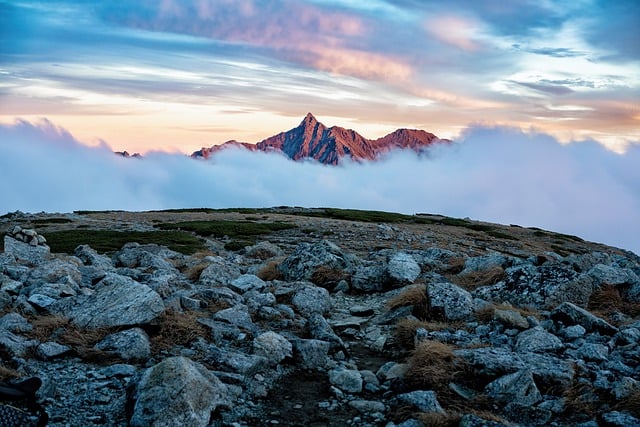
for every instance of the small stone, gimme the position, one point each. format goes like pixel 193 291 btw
pixel 511 318
pixel 348 380
pixel 537 340
pixel 51 350
pixel 367 406
pixel 360 310
pixel 40 301
pixel 423 400
pixel 274 347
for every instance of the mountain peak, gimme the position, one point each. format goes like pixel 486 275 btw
pixel 312 139
pixel 309 119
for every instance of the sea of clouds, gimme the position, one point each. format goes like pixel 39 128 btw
pixel 493 174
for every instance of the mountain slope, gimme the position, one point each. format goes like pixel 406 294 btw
pixel 313 140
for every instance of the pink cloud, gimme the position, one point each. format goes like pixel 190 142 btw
pixel 455 31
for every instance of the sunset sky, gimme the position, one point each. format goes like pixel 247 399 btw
pixel 177 75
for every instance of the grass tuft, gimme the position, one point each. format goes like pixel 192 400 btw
pixel 415 296
pixel 432 366
pixel 103 241
pixel 478 279
pixel 176 329
pixel 328 277
pixel 270 271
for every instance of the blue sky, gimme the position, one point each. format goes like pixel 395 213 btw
pixel 177 75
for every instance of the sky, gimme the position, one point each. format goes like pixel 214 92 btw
pixel 177 75
pixel 541 100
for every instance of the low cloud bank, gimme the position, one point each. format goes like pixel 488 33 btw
pixel 494 174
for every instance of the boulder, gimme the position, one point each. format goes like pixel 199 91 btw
pixel 348 380
pixel 51 350
pixel 131 344
pixel 570 314
pixel 484 263
pixel 369 278
pixel 247 282
pixel 13 322
pixel 545 286
pixel 320 329
pixel 307 257
pixel 177 392
pixel 219 272
pixel 90 257
pixel 511 318
pixel 422 400
pixel 311 299
pixel 537 340
pixel 238 315
pixel 274 347
pixel 402 269
pixel 54 271
pixel 26 253
pixel 311 353
pixel 518 387
pixel 451 300
pixel 116 301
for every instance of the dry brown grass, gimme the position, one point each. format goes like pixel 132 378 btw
pixel 270 271
pixel 328 277
pixel 578 399
pixel 486 313
pixel 405 329
pixel 478 279
pixel 174 328
pixel 81 340
pixel 193 273
pixel 455 265
pixel 608 299
pixel 432 366
pixel 414 296
pixel 433 419
pixel 630 404
pixel 7 374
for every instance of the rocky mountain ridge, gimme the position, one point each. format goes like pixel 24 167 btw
pixel 328 145
pixel 346 318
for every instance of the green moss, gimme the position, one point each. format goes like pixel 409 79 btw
pixel 232 229
pixel 108 241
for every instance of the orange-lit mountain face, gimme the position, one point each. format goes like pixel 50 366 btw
pixel 313 140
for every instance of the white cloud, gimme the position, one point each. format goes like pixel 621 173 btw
pixel 494 174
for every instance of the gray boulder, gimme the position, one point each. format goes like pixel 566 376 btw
pixel 453 301
pixel 90 257
pixel 128 345
pixel 422 400
pixel 519 388
pixel 218 272
pixel 369 278
pixel 484 262
pixel 320 329
pixel 26 253
pixel 16 345
pixel 348 380
pixel 511 318
pixel 54 271
pixel 117 301
pixel 177 392
pixel 237 315
pixel 402 268
pixel 545 286
pixel 272 346
pixel 311 299
pixel 311 353
pixel 13 322
pixel 609 275
pixel 247 282
pixel 307 257
pixel 537 340
pixel 570 314
pixel 51 350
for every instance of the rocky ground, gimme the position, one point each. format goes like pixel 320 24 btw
pixel 341 318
